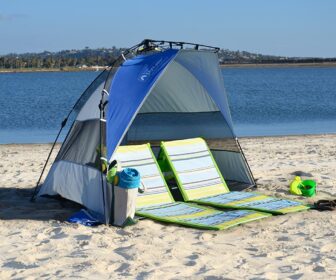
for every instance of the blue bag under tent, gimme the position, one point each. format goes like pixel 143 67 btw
pixel 84 217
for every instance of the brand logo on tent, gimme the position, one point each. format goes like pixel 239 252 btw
pixel 149 70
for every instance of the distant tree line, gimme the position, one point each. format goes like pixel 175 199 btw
pixel 58 60
pixel 105 56
pixel 277 61
pixel 243 57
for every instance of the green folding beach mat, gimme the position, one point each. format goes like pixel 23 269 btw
pixel 157 203
pixel 199 180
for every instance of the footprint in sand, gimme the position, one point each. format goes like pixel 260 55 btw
pixel 296 276
pixel 143 275
pixel 192 259
pixel 83 237
pixel 190 263
pixel 210 277
pixel 82 266
pixel 124 233
pixel 123 268
pixel 57 233
pixel 83 244
pixel 252 249
pixel 125 252
pixel 319 268
pixel 78 254
pixel 194 256
pixel 283 238
pixel 19 265
pixel 286 269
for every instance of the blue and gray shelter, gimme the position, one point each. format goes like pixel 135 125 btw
pixel 155 91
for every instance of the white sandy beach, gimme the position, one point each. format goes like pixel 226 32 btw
pixel 36 242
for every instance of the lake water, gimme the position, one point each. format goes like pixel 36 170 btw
pixel 263 101
pixel 282 101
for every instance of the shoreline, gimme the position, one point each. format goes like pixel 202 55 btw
pixel 233 65
pixel 243 138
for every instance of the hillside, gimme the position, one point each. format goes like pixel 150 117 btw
pixel 88 58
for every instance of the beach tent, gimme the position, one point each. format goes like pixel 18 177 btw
pixel 155 91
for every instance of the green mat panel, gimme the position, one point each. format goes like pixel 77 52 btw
pixel 196 216
pixel 214 191
pixel 253 201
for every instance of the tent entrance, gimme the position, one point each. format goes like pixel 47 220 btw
pixel 188 100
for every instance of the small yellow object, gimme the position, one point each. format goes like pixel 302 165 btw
pixel 104 166
pixel 116 180
pixel 294 186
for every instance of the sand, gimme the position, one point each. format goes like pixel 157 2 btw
pixel 36 242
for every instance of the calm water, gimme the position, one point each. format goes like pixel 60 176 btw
pixel 263 101
pixel 282 101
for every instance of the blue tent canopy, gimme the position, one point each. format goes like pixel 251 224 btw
pixel 129 88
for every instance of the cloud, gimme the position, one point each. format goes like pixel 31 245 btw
pixel 10 17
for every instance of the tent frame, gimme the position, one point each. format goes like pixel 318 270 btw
pixel 147 45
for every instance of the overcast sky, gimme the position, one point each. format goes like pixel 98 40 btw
pixel 283 27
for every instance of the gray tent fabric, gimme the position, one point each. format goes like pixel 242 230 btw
pixel 82 144
pixel 232 166
pixel 188 100
pixel 86 112
pixel 205 66
pixel 166 95
pixel 76 182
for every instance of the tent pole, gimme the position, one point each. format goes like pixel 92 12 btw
pixel 248 166
pixel 101 109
